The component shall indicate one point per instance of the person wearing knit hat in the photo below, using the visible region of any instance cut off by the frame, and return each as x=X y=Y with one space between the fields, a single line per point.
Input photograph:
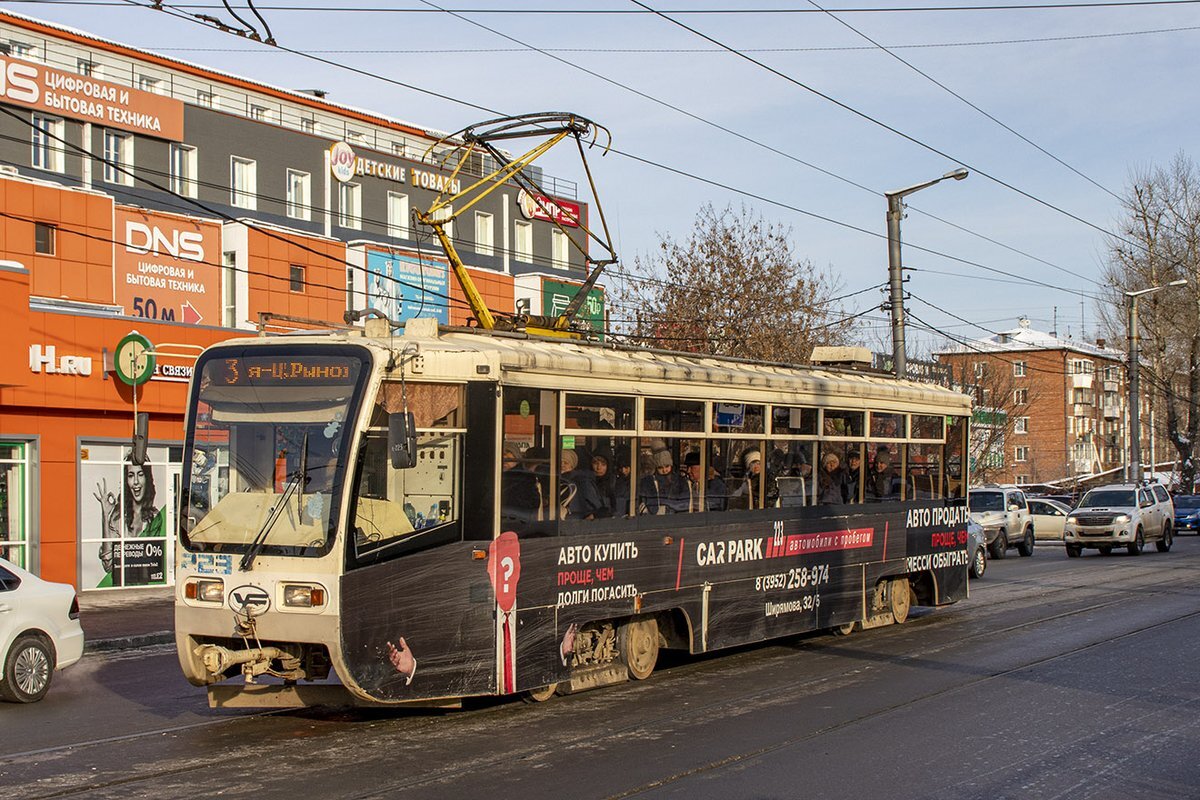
x=752 y=457
x=749 y=494
x=664 y=491
x=577 y=487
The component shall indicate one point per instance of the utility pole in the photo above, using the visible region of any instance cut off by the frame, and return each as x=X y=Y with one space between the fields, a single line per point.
x=1134 y=467
x=895 y=303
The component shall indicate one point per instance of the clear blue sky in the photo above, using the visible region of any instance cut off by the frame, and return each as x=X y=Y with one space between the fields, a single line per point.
x=1107 y=90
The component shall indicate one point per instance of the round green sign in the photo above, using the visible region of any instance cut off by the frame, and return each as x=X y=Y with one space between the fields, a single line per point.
x=133 y=360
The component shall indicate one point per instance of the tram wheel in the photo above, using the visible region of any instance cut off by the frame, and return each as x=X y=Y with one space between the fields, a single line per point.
x=539 y=695
x=846 y=630
x=638 y=643
x=899 y=594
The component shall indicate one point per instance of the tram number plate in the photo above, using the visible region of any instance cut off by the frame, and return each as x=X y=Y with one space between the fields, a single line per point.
x=208 y=563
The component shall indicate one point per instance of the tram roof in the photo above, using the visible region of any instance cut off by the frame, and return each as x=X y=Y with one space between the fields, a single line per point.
x=594 y=367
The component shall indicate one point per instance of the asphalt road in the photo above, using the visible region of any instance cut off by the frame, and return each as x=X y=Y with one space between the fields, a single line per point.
x=1057 y=678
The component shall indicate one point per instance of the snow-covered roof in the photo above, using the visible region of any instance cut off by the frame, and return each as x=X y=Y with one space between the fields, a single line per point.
x=1025 y=338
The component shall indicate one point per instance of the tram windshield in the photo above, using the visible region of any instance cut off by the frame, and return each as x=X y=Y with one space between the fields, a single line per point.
x=269 y=427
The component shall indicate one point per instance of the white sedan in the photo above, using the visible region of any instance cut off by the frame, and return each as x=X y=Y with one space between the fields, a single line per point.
x=39 y=632
x=1049 y=516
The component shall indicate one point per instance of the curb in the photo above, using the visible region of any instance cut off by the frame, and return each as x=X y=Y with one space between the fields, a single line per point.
x=129 y=642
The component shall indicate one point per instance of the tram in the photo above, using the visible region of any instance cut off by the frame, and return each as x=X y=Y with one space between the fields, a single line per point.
x=449 y=513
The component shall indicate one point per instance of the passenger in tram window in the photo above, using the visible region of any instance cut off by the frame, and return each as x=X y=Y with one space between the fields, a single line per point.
x=623 y=483
x=748 y=494
x=831 y=482
x=882 y=478
x=789 y=460
x=714 y=487
x=577 y=488
x=520 y=490
x=662 y=491
x=853 y=475
x=606 y=488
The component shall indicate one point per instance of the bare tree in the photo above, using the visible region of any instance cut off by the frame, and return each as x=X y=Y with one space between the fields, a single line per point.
x=734 y=286
x=1158 y=241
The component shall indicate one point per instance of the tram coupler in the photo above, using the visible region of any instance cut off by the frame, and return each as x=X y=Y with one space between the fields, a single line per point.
x=255 y=661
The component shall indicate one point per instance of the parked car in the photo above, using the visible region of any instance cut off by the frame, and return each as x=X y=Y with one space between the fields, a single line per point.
x=977 y=547
x=1004 y=514
x=1187 y=512
x=1049 y=517
x=39 y=632
x=1121 y=514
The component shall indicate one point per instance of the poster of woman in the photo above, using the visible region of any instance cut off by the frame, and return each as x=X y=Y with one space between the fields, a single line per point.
x=126 y=528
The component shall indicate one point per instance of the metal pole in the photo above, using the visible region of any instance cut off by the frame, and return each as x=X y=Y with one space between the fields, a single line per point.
x=1135 y=432
x=896 y=285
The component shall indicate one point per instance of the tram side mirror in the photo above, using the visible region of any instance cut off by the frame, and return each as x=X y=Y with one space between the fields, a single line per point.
x=141 y=432
x=402 y=440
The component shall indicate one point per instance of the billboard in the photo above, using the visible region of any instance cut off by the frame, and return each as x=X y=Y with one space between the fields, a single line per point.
x=557 y=295
x=165 y=267
x=406 y=285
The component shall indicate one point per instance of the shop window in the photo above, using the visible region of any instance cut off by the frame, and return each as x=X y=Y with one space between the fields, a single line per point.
x=296 y=283
x=15 y=502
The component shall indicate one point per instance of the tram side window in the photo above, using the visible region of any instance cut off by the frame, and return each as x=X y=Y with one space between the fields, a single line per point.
x=837 y=482
x=924 y=464
x=790 y=470
x=392 y=504
x=597 y=431
x=526 y=481
x=842 y=423
x=956 y=435
x=745 y=475
x=884 y=480
x=887 y=426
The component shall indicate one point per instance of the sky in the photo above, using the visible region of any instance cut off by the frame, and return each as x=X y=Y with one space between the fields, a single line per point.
x=814 y=134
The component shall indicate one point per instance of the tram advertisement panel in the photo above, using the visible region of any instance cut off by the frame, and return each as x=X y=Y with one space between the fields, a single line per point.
x=439 y=623
x=123 y=517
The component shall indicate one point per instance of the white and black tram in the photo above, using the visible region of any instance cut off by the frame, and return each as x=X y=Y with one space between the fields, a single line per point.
x=446 y=514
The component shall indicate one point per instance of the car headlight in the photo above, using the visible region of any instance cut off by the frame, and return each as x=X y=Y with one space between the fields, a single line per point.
x=1071 y=520
x=206 y=590
x=303 y=595
x=1121 y=519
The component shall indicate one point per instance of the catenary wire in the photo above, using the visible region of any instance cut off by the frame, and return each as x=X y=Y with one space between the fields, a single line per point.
x=740 y=11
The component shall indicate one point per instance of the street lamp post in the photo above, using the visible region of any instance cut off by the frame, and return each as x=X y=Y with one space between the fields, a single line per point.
x=895 y=275
x=1134 y=467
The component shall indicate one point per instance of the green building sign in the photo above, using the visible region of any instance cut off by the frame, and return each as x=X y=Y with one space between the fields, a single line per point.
x=556 y=296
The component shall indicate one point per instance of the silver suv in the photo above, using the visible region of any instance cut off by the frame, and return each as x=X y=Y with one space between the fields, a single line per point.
x=1004 y=514
x=1121 y=514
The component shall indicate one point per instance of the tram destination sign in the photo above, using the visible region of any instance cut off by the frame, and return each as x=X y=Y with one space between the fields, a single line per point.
x=284 y=371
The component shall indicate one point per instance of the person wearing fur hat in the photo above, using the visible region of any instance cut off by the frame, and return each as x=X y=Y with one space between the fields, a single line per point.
x=663 y=491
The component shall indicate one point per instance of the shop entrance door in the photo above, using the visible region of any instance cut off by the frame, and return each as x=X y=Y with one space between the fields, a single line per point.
x=14 y=502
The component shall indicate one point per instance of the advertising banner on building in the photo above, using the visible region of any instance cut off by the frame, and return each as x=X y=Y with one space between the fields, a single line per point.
x=557 y=295
x=68 y=94
x=125 y=517
x=165 y=266
x=406 y=285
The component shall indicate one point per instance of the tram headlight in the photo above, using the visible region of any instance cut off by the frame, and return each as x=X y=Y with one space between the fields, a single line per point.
x=205 y=590
x=303 y=595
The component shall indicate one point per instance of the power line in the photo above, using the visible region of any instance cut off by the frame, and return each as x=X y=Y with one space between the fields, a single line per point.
x=556 y=11
x=863 y=115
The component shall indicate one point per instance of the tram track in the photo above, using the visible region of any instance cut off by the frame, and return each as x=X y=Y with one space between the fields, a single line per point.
x=705 y=669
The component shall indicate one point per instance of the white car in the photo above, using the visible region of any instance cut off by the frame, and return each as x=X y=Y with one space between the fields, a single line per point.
x=1049 y=517
x=39 y=632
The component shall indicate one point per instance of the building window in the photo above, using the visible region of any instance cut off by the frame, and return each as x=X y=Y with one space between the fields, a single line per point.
x=1110 y=373
x=148 y=84
x=118 y=158
x=183 y=170
x=297 y=278
x=259 y=113
x=47 y=144
x=308 y=125
x=1023 y=479
x=299 y=194
x=1022 y=453
x=1021 y=425
x=523 y=241
x=397 y=215
x=560 y=253
x=206 y=99
x=243 y=183
x=1082 y=366
x=355 y=137
x=22 y=50
x=980 y=369
x=85 y=66
x=229 y=308
x=1020 y=396
x=350 y=205
x=1018 y=369
x=44 y=235
x=485 y=244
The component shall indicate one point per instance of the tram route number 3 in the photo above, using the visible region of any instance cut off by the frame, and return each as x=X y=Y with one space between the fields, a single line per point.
x=147 y=308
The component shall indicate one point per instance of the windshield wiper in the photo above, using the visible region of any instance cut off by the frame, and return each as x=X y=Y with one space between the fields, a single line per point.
x=299 y=478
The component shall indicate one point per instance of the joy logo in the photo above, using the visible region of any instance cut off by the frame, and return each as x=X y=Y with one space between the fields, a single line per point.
x=142 y=238
x=249 y=600
x=342 y=161
x=18 y=82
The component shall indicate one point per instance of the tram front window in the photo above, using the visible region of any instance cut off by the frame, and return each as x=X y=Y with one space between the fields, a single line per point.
x=269 y=428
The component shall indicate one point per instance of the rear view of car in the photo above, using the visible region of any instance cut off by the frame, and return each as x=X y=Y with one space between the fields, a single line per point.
x=39 y=633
